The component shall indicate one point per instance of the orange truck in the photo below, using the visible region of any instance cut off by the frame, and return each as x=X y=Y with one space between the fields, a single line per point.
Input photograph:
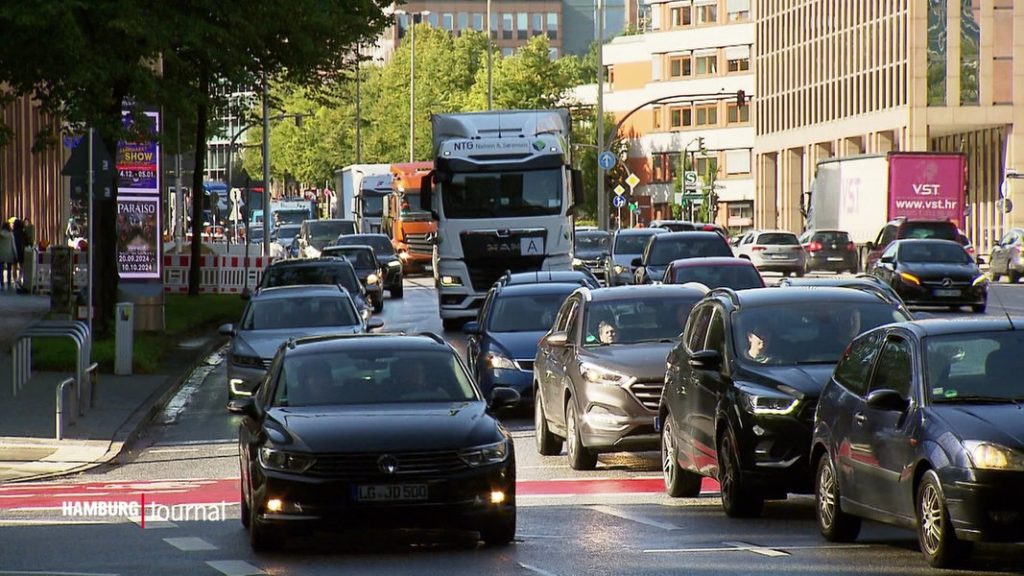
x=410 y=228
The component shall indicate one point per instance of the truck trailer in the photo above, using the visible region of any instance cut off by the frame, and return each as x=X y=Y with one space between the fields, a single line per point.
x=503 y=195
x=348 y=182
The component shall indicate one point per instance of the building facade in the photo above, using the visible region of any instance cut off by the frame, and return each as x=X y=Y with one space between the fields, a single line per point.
x=694 y=60
x=843 y=78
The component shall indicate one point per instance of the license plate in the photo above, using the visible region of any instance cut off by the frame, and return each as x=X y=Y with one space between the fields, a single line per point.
x=835 y=259
x=780 y=256
x=531 y=246
x=391 y=492
x=946 y=293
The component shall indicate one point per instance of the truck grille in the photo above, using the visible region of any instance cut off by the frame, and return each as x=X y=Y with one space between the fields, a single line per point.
x=484 y=273
x=366 y=465
x=648 y=393
x=418 y=244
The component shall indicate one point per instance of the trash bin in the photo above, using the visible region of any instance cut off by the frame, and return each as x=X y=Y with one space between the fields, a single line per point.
x=124 y=332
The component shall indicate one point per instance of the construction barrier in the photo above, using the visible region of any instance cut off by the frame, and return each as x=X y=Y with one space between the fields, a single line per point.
x=220 y=274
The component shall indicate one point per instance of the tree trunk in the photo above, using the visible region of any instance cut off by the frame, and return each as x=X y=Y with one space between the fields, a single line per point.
x=194 y=274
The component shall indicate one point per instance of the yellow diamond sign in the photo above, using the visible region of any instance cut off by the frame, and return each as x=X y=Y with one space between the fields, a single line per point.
x=632 y=180
x=619 y=190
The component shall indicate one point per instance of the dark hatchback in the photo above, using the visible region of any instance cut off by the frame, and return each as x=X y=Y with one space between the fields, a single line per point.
x=741 y=387
x=386 y=257
x=367 y=267
x=502 y=341
x=922 y=426
x=386 y=431
x=714 y=272
x=933 y=273
x=663 y=249
x=590 y=250
x=830 y=250
x=314 y=271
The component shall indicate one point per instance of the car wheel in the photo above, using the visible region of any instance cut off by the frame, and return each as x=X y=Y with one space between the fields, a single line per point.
x=834 y=524
x=246 y=512
x=934 y=530
x=579 y=457
x=378 y=304
x=547 y=443
x=738 y=500
x=499 y=531
x=679 y=483
x=800 y=273
x=398 y=291
x=979 y=308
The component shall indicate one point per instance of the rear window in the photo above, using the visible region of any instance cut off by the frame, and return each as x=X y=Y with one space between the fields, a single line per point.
x=380 y=244
x=831 y=238
x=299 y=275
x=631 y=243
x=941 y=230
x=665 y=251
x=778 y=238
x=735 y=277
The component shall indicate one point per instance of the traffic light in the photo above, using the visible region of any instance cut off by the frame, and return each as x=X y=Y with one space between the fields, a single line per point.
x=741 y=98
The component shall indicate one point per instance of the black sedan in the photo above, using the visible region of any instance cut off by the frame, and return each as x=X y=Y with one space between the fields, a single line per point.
x=386 y=257
x=387 y=431
x=367 y=267
x=933 y=273
x=921 y=426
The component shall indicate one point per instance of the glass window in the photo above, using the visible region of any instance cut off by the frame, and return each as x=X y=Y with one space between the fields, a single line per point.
x=980 y=364
x=552 y=25
x=448 y=21
x=854 y=367
x=564 y=315
x=706 y=165
x=337 y=273
x=933 y=252
x=737 y=161
x=680 y=117
x=630 y=243
x=533 y=313
x=322 y=233
x=680 y=16
x=706 y=64
x=494 y=27
x=402 y=20
x=665 y=250
x=508 y=194
x=735 y=277
x=895 y=369
x=737 y=10
x=463 y=22
x=716 y=333
x=656 y=113
x=552 y=53
x=706 y=115
x=778 y=239
x=738 y=114
x=506 y=52
x=506 y=26
x=970 y=51
x=679 y=66
x=432 y=19
x=522 y=25
x=597 y=241
x=737 y=58
x=361 y=259
x=478 y=21
x=697 y=328
x=305 y=312
x=937 y=31
x=380 y=244
x=646 y=320
x=707 y=13
x=537 y=27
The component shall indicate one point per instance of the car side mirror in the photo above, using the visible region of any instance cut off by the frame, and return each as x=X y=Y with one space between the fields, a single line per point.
x=886 y=259
x=888 y=400
x=471 y=328
x=557 y=339
x=226 y=330
x=502 y=397
x=705 y=360
x=637 y=262
x=374 y=324
x=246 y=406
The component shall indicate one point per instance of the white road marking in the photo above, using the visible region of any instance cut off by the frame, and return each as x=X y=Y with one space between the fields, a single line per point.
x=53 y=523
x=235 y=568
x=536 y=570
x=763 y=551
x=177 y=404
x=190 y=544
x=233 y=443
x=619 y=513
x=153 y=524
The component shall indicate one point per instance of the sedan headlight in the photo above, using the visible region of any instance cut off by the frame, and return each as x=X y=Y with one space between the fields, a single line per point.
x=394 y=263
x=499 y=362
x=595 y=374
x=577 y=262
x=247 y=361
x=451 y=281
x=767 y=403
x=273 y=459
x=372 y=279
x=910 y=278
x=989 y=456
x=619 y=269
x=982 y=279
x=484 y=455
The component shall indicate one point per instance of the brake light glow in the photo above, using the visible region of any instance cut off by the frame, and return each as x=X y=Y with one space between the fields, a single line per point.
x=814 y=246
x=758 y=249
x=851 y=247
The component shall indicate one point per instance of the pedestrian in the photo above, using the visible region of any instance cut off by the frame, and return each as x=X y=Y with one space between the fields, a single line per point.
x=18 y=229
x=7 y=256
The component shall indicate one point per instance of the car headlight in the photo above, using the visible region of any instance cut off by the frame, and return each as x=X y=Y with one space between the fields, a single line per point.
x=247 y=361
x=619 y=269
x=982 y=279
x=484 y=455
x=767 y=404
x=451 y=281
x=577 y=262
x=910 y=278
x=394 y=263
x=499 y=362
x=595 y=374
x=372 y=279
x=989 y=456
x=273 y=459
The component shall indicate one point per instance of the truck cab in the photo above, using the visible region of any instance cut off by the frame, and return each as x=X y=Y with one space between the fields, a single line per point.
x=370 y=199
x=410 y=228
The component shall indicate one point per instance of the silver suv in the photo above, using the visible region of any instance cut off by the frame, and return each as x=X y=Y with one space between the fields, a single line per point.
x=773 y=251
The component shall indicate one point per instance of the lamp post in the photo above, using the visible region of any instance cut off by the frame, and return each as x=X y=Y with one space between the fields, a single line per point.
x=602 y=195
x=359 y=118
x=412 y=78
x=266 y=169
x=490 y=59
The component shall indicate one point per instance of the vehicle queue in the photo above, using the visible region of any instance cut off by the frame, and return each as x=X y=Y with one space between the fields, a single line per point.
x=800 y=388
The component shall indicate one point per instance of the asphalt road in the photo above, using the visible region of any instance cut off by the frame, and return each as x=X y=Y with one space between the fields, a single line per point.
x=614 y=520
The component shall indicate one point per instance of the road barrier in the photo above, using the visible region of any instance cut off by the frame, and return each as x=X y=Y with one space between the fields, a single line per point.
x=219 y=274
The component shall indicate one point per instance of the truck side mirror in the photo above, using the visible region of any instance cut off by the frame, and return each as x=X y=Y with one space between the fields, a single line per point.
x=427 y=192
x=577 y=187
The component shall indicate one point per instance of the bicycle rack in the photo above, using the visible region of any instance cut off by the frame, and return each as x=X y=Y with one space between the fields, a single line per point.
x=78 y=332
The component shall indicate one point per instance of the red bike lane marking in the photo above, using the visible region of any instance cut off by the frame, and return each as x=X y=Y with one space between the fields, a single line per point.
x=210 y=491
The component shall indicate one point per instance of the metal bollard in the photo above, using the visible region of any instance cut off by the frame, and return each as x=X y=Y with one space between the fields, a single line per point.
x=60 y=405
x=94 y=380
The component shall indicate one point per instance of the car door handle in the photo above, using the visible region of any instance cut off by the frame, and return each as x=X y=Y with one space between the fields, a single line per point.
x=860 y=417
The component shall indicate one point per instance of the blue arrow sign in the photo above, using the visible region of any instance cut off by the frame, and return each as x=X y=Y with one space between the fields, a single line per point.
x=618 y=201
x=606 y=160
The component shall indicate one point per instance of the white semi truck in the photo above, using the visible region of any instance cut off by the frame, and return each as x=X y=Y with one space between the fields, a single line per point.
x=503 y=194
x=349 y=182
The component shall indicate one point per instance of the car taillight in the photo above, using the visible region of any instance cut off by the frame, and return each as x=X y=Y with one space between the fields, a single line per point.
x=851 y=247
x=814 y=246
x=797 y=247
x=758 y=249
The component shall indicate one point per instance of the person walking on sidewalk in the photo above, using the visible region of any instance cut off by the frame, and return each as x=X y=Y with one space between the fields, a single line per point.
x=18 y=229
x=7 y=256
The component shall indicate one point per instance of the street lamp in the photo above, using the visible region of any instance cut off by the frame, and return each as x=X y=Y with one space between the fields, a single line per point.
x=490 y=58
x=602 y=196
x=412 y=78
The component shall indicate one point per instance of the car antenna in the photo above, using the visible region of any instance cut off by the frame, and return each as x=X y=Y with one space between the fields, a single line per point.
x=1005 y=311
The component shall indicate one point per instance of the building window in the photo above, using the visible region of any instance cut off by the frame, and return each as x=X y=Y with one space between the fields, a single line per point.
x=737 y=10
x=448 y=21
x=552 y=26
x=738 y=58
x=403 y=24
x=431 y=19
x=680 y=16
x=494 y=27
x=738 y=114
x=706 y=64
x=538 y=25
x=707 y=13
x=553 y=53
x=664 y=167
x=463 y=21
x=610 y=75
x=737 y=161
x=522 y=26
x=656 y=114
x=478 y=21
x=506 y=26
x=706 y=115
x=970 y=51
x=679 y=66
x=937 y=52
x=680 y=117
x=706 y=165
x=506 y=52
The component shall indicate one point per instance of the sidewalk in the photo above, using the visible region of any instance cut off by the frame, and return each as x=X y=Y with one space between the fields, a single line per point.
x=123 y=405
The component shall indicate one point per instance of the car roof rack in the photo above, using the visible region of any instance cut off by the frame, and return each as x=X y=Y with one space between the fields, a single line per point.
x=727 y=292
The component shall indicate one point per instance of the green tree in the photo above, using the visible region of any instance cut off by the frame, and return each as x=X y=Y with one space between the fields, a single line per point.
x=529 y=79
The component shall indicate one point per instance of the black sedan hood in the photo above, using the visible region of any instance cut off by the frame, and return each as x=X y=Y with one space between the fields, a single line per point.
x=645 y=361
x=418 y=427
x=938 y=271
x=807 y=380
x=997 y=423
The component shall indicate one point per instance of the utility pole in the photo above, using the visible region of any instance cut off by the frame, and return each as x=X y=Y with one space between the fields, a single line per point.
x=266 y=168
x=602 y=195
x=412 y=88
x=179 y=196
x=490 y=58
x=359 y=117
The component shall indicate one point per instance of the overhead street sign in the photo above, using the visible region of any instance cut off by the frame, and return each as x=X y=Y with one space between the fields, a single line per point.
x=632 y=181
x=690 y=180
x=618 y=201
x=619 y=190
x=606 y=160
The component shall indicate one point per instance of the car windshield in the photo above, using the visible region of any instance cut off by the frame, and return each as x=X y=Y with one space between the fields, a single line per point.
x=360 y=258
x=666 y=250
x=676 y=226
x=735 y=277
x=299 y=312
x=373 y=204
x=372 y=377
x=831 y=238
x=503 y=195
x=323 y=233
x=940 y=230
x=806 y=332
x=286 y=233
x=780 y=238
x=637 y=320
x=631 y=243
x=291 y=216
x=592 y=241
x=936 y=252
x=338 y=273
x=975 y=367
x=380 y=244
x=525 y=313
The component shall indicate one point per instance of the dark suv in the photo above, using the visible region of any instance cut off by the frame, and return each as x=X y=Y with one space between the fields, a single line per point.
x=663 y=249
x=324 y=270
x=741 y=387
x=902 y=228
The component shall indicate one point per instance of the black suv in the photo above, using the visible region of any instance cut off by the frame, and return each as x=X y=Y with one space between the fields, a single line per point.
x=323 y=270
x=386 y=257
x=367 y=267
x=662 y=249
x=741 y=387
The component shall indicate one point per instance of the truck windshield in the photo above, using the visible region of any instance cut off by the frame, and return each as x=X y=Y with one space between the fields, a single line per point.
x=504 y=194
x=292 y=216
x=373 y=204
x=410 y=205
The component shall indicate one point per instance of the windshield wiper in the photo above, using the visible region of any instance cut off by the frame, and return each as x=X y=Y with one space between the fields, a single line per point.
x=979 y=398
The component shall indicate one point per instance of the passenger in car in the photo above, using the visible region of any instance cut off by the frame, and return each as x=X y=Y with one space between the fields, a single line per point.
x=757 y=340
x=606 y=333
